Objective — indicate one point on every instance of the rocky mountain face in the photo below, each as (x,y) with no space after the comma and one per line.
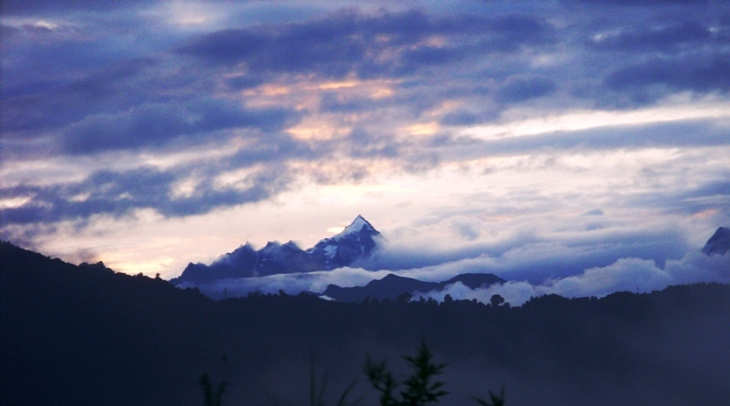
(719,243)
(357,241)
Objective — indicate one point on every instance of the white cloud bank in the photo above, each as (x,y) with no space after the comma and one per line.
(293,283)
(626,274)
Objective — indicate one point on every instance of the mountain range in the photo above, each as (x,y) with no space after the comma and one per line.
(357,241)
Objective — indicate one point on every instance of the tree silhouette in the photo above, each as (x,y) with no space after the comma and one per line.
(214,398)
(420,387)
(496,300)
(494,399)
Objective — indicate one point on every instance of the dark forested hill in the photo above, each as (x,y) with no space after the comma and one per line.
(84,335)
(392,286)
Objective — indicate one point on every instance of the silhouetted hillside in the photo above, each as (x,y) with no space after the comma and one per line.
(86,335)
(392,286)
(83,335)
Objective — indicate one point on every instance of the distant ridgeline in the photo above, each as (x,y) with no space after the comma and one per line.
(393,286)
(356,241)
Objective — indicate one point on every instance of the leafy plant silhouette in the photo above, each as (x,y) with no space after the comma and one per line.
(420,388)
(494,399)
(213,397)
(316,395)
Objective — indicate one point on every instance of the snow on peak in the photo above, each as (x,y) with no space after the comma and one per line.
(330,251)
(354,227)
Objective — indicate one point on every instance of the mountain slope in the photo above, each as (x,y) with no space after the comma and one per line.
(719,243)
(84,335)
(358,240)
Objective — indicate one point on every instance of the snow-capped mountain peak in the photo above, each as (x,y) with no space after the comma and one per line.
(356,242)
(358,224)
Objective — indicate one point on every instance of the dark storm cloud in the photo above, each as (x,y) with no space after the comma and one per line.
(464,118)
(156,124)
(698,73)
(715,188)
(67,46)
(511,33)
(126,107)
(35,7)
(712,194)
(96,85)
(689,133)
(650,2)
(663,38)
(521,89)
(349,42)
(244,82)
(120,193)
(276,148)
(45,103)
(641,55)
(366,145)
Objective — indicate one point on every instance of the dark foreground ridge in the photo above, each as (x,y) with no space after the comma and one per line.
(84,335)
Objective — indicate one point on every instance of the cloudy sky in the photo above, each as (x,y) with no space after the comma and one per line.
(535,140)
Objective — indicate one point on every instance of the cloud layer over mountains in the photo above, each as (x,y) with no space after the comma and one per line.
(536,269)
(154,134)
(628,274)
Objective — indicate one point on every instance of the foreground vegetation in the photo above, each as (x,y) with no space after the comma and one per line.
(421,387)
(89,336)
